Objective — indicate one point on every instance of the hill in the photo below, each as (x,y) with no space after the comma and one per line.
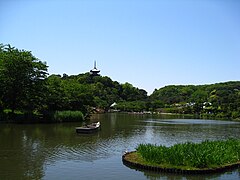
(220,99)
(26,87)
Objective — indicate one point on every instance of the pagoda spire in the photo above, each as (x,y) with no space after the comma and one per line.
(95,66)
(95,71)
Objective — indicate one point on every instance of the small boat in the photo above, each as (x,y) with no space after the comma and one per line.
(88,128)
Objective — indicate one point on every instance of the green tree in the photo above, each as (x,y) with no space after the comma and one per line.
(22,79)
(131,93)
(78,96)
(56,99)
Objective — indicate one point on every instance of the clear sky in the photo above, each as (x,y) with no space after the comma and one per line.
(148,43)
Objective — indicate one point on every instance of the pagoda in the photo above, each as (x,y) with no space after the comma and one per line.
(95,71)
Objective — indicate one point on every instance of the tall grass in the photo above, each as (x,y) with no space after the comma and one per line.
(207,154)
(68,116)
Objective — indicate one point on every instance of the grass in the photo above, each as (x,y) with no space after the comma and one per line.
(35,117)
(68,116)
(208,154)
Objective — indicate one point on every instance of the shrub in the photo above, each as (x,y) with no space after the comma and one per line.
(68,116)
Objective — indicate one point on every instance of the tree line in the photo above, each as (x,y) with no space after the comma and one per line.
(218,100)
(26,87)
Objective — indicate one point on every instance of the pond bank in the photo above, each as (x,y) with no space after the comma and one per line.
(134,160)
(47,117)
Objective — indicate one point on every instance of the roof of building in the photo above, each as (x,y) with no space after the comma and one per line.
(95,70)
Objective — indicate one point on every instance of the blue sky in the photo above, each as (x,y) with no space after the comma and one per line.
(148,43)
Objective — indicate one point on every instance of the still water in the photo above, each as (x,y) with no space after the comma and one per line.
(55,151)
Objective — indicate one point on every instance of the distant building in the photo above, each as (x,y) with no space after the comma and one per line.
(95,71)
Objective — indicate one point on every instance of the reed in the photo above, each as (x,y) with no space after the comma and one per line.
(208,154)
(68,116)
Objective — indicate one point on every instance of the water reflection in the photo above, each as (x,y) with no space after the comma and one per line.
(50,151)
(190,121)
(21,156)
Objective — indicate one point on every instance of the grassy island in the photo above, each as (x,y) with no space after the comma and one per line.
(187,157)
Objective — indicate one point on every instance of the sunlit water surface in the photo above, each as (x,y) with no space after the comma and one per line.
(55,151)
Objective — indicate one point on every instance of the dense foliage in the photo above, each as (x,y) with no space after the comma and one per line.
(26,87)
(207,154)
(221,99)
(64,116)
(22,80)
(83,91)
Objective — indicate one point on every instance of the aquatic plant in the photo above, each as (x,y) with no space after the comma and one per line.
(207,154)
(64,116)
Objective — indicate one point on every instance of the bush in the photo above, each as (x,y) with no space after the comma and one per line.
(68,116)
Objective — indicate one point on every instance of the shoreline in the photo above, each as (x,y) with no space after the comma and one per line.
(131,159)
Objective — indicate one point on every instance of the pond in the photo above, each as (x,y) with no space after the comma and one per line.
(55,151)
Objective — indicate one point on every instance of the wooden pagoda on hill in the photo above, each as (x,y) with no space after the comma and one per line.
(95,71)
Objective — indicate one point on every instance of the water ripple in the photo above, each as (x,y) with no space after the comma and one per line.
(86,151)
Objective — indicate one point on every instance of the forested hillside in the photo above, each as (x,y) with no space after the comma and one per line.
(220,99)
(26,87)
(80,92)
